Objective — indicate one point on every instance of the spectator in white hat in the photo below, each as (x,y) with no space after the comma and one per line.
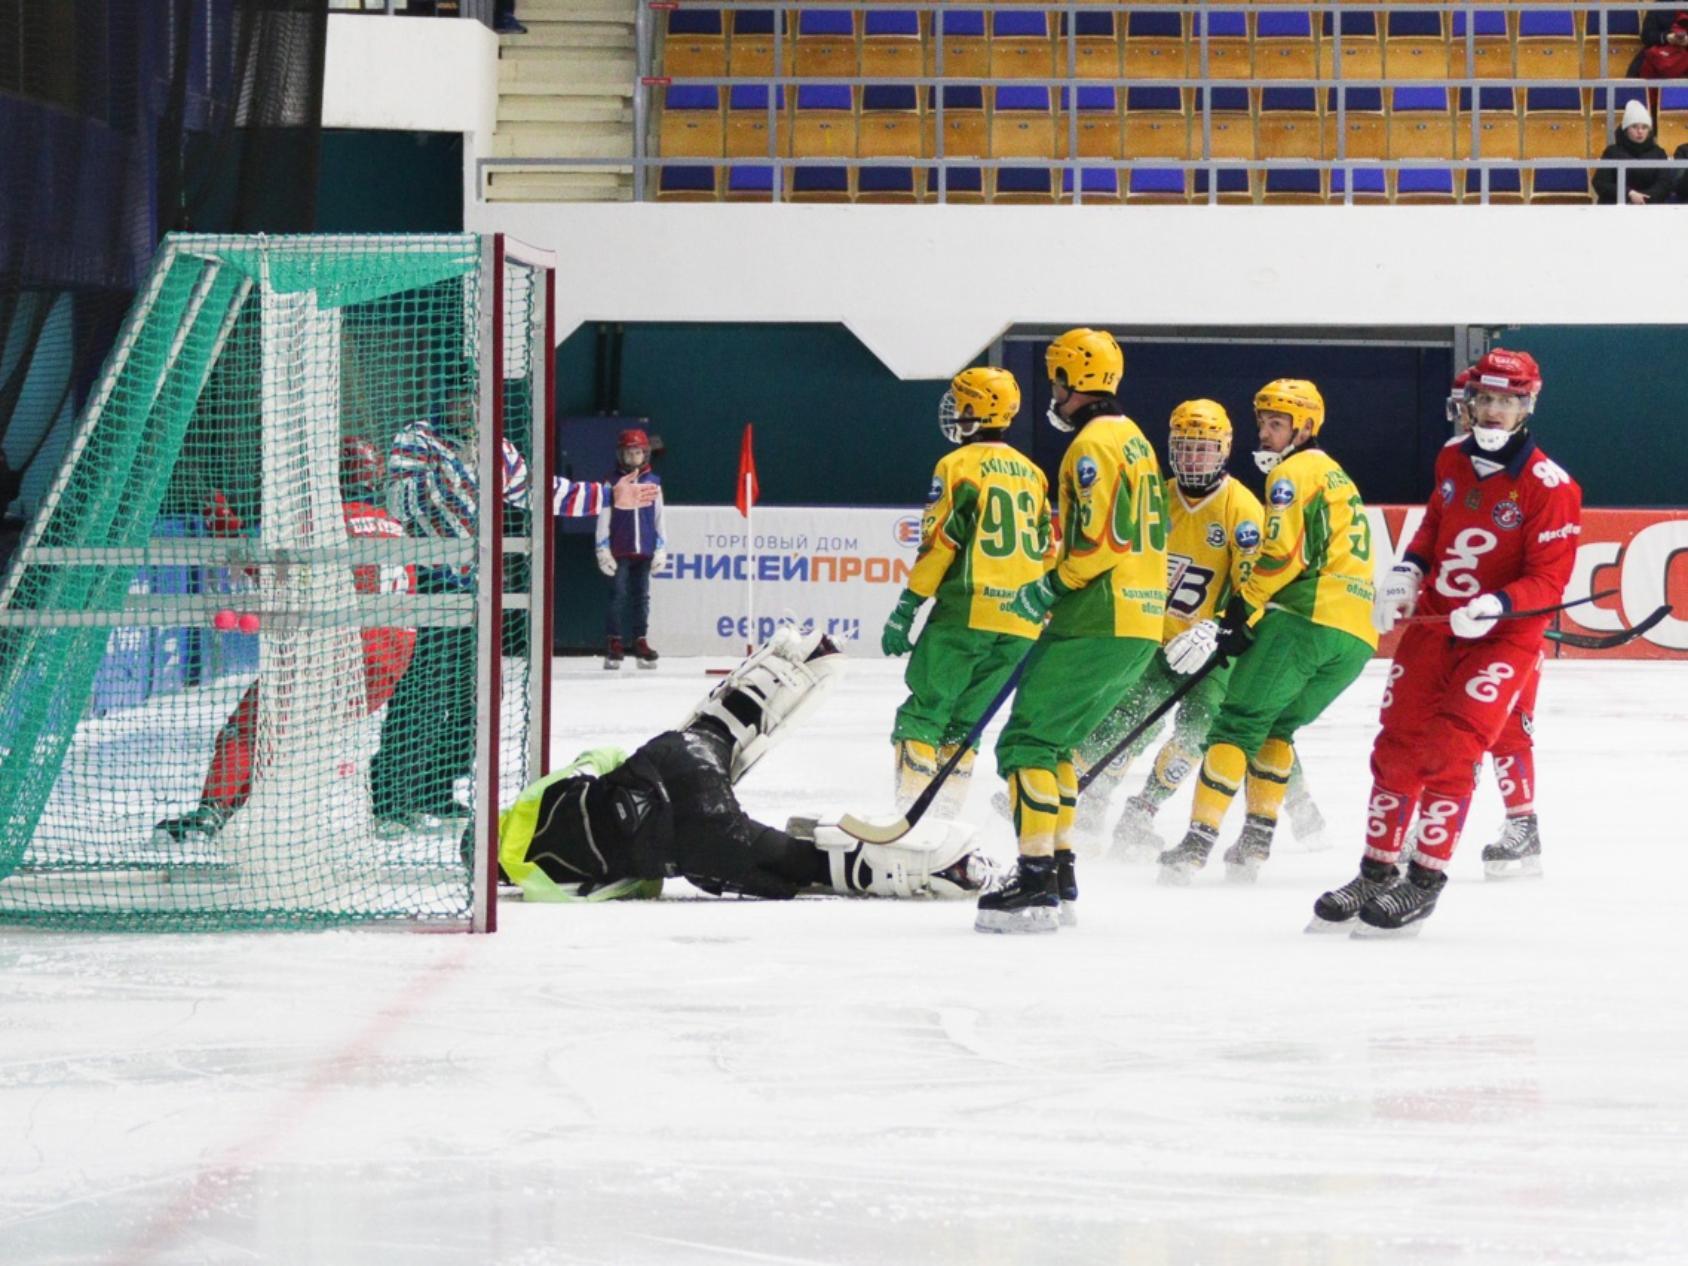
(1643,186)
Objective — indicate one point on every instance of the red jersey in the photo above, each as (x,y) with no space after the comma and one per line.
(363,519)
(1511,532)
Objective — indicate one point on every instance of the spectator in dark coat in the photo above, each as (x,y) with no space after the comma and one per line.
(1643,186)
(1664,46)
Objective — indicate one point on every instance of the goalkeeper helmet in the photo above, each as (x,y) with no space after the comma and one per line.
(1086,360)
(1296,397)
(1200,443)
(982,399)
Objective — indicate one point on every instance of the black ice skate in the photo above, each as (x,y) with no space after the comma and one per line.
(1400,908)
(1179,865)
(1028,902)
(1517,853)
(1135,839)
(1335,911)
(612,656)
(1244,859)
(1066,887)
(643,653)
(192,830)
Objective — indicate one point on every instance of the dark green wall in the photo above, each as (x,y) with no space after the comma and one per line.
(1614,408)
(390,182)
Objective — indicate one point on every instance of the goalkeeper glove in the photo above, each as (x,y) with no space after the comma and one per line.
(894,639)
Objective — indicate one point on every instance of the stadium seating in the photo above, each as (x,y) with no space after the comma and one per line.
(892,43)
(826,44)
(1548,45)
(1364,127)
(1506,186)
(1099,185)
(1487,51)
(1157,124)
(1555,124)
(1098,131)
(1672,118)
(1498,134)
(1022,125)
(1623,41)
(1289,125)
(1420,125)
(1284,45)
(696,44)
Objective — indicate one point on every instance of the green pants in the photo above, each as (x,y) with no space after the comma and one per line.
(1291,674)
(952,676)
(1070,684)
(1190,722)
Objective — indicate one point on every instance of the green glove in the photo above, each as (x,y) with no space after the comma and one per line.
(1032,600)
(895,639)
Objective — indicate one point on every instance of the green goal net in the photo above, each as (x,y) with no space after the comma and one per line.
(268,649)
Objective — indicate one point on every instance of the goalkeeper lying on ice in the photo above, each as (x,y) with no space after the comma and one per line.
(615,826)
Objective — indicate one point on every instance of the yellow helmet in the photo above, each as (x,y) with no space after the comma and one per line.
(981,399)
(1200,443)
(1296,397)
(1086,360)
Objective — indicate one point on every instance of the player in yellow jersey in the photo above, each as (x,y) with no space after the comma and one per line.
(1105,598)
(1211,550)
(984,534)
(1308,603)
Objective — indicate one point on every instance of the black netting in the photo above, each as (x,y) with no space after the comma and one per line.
(119,121)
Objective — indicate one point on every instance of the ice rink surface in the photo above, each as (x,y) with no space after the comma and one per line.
(1185,1078)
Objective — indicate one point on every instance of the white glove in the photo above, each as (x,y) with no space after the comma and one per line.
(1193,647)
(658,559)
(606,561)
(1395,596)
(1476,617)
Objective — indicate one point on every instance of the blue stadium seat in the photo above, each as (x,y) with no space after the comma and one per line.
(1025,184)
(691,122)
(824,125)
(1099,133)
(1022,125)
(1365,131)
(1415,45)
(819,184)
(1156,123)
(1231,186)
(1368,184)
(1293,185)
(1227,45)
(687,184)
(1230,125)
(965,184)
(1155,47)
(1289,124)
(961,33)
(891,43)
(1362,49)
(696,44)
(1548,46)
(1419,123)
(750,182)
(890,124)
(886,184)
(755,32)
(1020,44)
(747,122)
(1425,184)
(964,131)
(1506,186)
(1284,47)
(1555,125)
(1156,184)
(1498,134)
(1561,185)
(1098,184)
(1623,41)
(1096,45)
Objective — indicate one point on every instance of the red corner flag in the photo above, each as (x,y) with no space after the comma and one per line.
(748,488)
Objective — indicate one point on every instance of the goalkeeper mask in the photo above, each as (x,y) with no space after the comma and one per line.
(766,694)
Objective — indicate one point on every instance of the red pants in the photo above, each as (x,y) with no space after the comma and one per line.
(1514,751)
(1447,703)
(386,654)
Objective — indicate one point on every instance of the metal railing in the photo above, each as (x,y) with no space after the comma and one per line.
(643,164)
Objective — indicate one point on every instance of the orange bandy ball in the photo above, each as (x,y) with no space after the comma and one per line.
(225,621)
(249,623)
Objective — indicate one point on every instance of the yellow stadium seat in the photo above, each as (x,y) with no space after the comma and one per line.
(1415,45)
(1096,46)
(967,54)
(1420,125)
(750,55)
(1623,42)
(1230,125)
(1289,125)
(965,134)
(1098,124)
(695,45)
(824,123)
(825,46)
(1022,124)
(747,122)
(890,125)
(1020,45)
(1498,132)
(1555,124)
(691,124)
(1228,54)
(1672,119)
(1362,50)
(1157,123)
(892,44)
(1490,46)
(1155,46)
(1549,47)
(1284,46)
(1364,127)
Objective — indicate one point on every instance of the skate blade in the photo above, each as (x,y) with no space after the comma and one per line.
(1369,932)
(1523,868)
(648,665)
(1069,914)
(1242,872)
(1036,919)
(1328,927)
(612,668)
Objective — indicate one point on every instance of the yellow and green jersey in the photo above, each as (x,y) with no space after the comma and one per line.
(985,533)
(1210,553)
(1316,559)
(1114,521)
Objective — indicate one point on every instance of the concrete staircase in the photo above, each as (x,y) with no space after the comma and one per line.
(566,88)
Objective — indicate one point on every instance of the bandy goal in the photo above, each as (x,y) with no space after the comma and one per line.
(276,645)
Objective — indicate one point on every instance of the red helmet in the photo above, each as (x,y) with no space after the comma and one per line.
(633,437)
(360,465)
(1462,380)
(1512,373)
(1455,407)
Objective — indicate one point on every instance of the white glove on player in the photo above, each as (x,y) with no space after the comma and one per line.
(1476,617)
(1193,647)
(658,559)
(606,561)
(1395,596)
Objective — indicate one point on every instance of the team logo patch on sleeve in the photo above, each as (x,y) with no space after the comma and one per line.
(1446,488)
(1283,493)
(937,490)
(1215,536)
(1086,472)
(1248,535)
(1508,515)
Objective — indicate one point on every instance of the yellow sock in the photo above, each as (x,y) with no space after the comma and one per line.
(1223,767)
(1035,797)
(1268,778)
(1066,786)
(1173,764)
(952,797)
(917,762)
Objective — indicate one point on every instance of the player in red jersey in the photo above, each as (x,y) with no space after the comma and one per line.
(386,651)
(1498,536)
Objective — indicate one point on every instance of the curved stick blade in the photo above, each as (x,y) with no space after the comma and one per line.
(871,832)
